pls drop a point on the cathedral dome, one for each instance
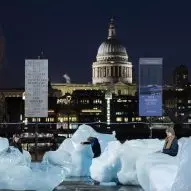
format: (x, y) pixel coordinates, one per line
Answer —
(111, 48)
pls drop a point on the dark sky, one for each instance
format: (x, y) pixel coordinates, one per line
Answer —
(70, 32)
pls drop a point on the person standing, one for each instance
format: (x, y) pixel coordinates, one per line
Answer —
(95, 146)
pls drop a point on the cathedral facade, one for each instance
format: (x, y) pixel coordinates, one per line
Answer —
(111, 72)
(111, 64)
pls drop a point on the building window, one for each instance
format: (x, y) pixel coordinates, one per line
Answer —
(119, 71)
(65, 119)
(74, 119)
(116, 71)
(189, 101)
(126, 119)
(138, 118)
(112, 74)
(60, 119)
(118, 119)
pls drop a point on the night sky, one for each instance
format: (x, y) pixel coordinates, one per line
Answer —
(70, 32)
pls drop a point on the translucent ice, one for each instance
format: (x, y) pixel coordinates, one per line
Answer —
(105, 167)
(74, 157)
(4, 144)
(159, 171)
(118, 161)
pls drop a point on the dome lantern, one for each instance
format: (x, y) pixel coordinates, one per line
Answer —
(112, 31)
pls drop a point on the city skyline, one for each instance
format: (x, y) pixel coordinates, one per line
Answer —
(71, 37)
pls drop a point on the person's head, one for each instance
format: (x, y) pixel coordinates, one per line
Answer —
(170, 131)
(16, 138)
(89, 139)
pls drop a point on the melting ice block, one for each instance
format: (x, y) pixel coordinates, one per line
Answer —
(4, 144)
(160, 171)
(182, 181)
(105, 167)
(73, 157)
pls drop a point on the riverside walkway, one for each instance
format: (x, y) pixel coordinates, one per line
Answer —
(81, 184)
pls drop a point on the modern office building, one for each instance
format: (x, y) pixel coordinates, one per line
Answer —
(180, 77)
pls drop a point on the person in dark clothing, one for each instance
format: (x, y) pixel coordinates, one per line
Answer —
(95, 146)
(171, 143)
(16, 142)
(53, 144)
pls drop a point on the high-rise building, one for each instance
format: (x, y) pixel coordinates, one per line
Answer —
(180, 76)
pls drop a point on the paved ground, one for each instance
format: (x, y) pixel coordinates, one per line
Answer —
(88, 185)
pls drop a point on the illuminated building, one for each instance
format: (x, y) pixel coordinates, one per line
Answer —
(112, 71)
(125, 109)
(112, 63)
(180, 77)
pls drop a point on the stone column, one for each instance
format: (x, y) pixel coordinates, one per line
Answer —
(101, 72)
(93, 72)
(130, 72)
(107, 71)
(126, 72)
(96, 72)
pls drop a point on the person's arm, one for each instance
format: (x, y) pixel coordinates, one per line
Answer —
(85, 143)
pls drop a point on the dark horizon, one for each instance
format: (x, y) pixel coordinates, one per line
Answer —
(70, 34)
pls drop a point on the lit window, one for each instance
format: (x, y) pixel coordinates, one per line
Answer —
(133, 119)
(126, 119)
(118, 119)
(189, 120)
(138, 118)
(189, 101)
(65, 119)
(74, 119)
(60, 119)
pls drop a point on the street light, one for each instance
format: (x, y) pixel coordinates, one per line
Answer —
(108, 97)
(68, 102)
